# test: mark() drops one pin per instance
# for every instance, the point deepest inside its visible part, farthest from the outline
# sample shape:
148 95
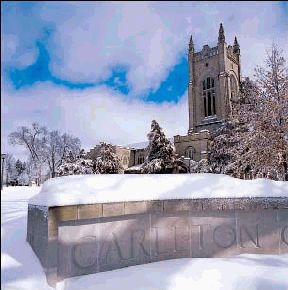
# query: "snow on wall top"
94 188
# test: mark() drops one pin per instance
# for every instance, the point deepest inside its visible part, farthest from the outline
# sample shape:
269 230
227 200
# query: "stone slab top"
93 189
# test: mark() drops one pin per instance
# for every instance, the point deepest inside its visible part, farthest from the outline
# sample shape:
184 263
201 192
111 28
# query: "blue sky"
103 71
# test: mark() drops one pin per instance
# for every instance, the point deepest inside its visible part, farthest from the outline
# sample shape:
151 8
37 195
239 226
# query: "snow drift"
101 188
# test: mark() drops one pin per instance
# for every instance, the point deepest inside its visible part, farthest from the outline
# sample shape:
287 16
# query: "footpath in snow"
96 188
21 269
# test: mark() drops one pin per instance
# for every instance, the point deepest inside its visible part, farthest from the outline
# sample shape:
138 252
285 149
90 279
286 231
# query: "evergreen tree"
20 167
75 165
161 153
108 162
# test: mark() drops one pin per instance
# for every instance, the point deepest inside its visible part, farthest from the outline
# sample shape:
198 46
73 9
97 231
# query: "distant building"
214 80
128 156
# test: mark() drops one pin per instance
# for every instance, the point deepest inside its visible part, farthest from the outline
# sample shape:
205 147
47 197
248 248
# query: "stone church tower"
214 79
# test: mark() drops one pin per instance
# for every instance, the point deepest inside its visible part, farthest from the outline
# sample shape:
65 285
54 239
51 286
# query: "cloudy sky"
103 70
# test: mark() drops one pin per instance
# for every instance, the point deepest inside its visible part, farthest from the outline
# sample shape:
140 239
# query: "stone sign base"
84 239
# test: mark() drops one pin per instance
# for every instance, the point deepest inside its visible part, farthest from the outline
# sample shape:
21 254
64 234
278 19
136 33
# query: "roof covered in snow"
143 145
100 188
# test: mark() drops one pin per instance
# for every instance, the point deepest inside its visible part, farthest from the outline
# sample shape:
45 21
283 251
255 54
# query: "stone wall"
84 239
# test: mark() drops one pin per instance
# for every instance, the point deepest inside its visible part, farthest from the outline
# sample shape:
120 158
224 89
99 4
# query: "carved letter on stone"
157 250
140 241
200 234
220 235
254 241
284 235
181 239
112 241
84 254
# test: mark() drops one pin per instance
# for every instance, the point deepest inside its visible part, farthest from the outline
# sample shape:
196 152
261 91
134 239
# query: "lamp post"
2 169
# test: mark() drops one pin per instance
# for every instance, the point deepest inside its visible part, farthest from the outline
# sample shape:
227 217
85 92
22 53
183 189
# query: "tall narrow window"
214 106
190 152
233 87
140 159
205 105
209 97
209 103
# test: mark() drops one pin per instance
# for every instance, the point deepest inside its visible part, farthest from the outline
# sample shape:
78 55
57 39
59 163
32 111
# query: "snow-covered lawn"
21 269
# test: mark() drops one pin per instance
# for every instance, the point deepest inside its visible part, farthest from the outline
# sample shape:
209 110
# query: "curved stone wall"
84 239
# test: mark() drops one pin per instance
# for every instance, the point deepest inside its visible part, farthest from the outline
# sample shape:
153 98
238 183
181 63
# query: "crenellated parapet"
206 53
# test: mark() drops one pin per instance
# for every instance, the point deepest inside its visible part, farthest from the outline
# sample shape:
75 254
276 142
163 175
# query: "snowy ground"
21 270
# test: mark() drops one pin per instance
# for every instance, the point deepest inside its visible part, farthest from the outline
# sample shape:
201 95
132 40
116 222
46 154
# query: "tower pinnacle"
191 44
236 46
221 37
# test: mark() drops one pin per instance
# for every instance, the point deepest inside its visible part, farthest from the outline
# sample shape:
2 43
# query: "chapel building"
214 81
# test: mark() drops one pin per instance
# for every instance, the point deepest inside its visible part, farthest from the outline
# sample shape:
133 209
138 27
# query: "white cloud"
93 115
90 38
148 37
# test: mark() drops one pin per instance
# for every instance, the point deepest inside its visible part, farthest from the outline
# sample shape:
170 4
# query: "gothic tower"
214 79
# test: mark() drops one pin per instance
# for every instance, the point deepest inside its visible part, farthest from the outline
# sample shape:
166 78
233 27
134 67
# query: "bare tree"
33 139
45 148
57 146
254 140
271 127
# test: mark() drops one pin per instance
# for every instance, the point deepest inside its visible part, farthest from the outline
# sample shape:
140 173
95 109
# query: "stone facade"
193 146
125 154
214 80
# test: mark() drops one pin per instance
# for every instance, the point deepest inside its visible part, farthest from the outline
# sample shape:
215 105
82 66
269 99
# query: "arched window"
209 97
189 152
233 87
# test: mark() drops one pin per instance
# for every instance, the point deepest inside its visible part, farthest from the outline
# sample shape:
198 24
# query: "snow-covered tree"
16 172
161 156
270 131
33 139
10 169
108 162
229 152
56 146
46 149
201 166
75 165
254 140
29 170
20 167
